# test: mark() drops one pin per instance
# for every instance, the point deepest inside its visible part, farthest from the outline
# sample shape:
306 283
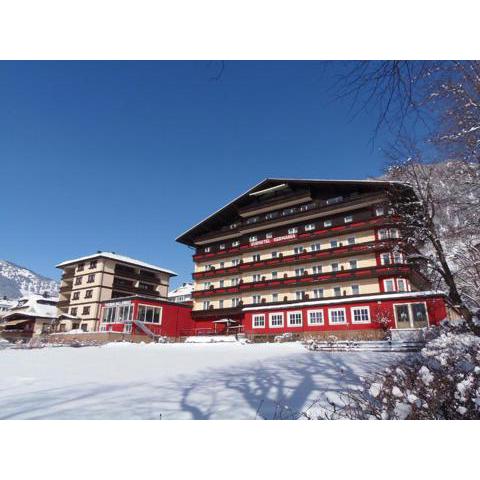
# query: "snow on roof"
382 296
184 289
34 306
118 258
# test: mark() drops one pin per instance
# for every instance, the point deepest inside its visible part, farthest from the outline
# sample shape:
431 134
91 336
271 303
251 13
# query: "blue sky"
125 156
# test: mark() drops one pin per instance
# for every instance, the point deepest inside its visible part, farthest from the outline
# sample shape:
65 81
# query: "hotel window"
256 298
333 244
109 314
337 291
385 259
91 278
318 293
336 316
93 264
253 238
383 234
78 281
125 313
299 295
269 235
334 267
299 272
274 254
334 200
327 223
274 275
315 317
80 267
88 293
379 211
235 302
233 226
355 290
402 285
353 264
234 281
258 321
207 249
292 230
150 314
207 285
222 283
398 257
86 311
208 267
236 243
269 216
220 304
222 246
235 262
360 314
274 297
394 233
73 311
351 240
256 277
298 250
222 265
206 305
256 258
84 327
309 227
294 319
276 320
348 218
315 247
389 285
317 269
76 295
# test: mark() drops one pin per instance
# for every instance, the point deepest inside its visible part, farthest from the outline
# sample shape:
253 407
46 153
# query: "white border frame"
315 324
258 315
291 313
330 317
409 304
360 322
270 320
152 306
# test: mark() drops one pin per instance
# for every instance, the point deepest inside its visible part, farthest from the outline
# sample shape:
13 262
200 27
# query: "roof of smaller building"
184 289
34 306
118 258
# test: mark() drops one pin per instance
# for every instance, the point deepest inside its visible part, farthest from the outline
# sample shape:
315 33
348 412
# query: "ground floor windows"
360 314
336 316
258 321
276 320
149 314
411 315
315 317
294 319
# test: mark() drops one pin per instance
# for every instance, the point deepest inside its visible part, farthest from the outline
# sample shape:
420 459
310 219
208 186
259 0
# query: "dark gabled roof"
225 214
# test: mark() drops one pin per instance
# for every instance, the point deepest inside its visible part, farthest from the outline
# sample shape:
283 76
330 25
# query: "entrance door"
411 315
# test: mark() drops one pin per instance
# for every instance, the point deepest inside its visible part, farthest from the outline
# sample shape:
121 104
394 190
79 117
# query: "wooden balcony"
301 258
302 237
304 280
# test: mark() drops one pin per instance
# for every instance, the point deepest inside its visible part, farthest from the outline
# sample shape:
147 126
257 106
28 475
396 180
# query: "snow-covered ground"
174 381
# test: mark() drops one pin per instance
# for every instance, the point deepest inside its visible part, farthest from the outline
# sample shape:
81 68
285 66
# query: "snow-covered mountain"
16 281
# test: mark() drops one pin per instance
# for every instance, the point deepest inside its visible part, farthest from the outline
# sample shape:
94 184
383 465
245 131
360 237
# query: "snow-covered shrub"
442 382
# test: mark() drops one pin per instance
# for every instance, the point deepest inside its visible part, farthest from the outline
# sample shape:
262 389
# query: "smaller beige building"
90 280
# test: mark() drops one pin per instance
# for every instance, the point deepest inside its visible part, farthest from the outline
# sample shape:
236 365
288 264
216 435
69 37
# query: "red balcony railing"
294 281
307 236
305 257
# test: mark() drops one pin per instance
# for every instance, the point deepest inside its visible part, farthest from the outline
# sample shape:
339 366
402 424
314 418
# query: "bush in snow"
443 382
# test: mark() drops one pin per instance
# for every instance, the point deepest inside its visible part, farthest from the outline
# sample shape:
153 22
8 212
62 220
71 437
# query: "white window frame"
358 287
296 312
253 238
236 243
316 247
409 305
270 324
360 307
331 310
269 235
160 314
309 227
262 316
405 282
315 324
292 230
385 285
255 298
318 290
327 223
379 211
348 219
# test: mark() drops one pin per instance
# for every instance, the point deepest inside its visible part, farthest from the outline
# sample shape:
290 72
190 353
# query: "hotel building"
89 281
308 256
